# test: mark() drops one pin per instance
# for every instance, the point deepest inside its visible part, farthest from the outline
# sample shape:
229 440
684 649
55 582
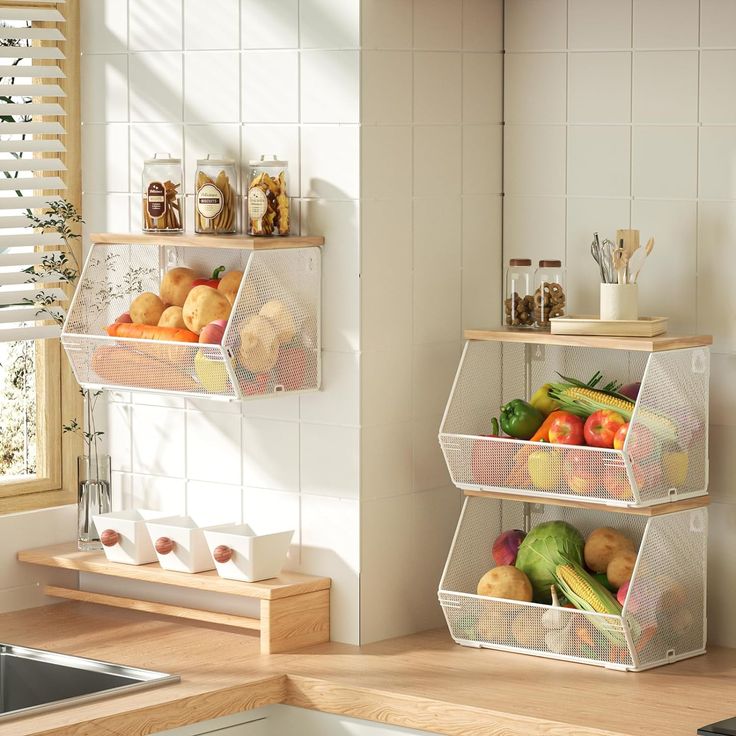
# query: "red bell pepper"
213 282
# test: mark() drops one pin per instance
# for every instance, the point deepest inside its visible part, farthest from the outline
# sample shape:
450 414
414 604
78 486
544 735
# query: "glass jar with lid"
215 200
518 303
163 202
268 197
550 298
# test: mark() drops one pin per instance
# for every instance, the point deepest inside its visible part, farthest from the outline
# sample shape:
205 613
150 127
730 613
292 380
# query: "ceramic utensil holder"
180 544
242 554
619 301
124 536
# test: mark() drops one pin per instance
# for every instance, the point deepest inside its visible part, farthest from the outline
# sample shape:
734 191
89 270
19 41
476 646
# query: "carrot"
519 475
151 332
542 434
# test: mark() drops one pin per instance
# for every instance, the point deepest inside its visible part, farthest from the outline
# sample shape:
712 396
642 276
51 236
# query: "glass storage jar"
549 293
268 198
518 304
163 202
215 200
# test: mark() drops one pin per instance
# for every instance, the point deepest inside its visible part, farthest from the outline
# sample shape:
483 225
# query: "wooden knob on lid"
164 545
222 553
109 538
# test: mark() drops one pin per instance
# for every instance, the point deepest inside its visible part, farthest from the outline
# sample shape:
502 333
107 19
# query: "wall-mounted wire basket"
663 617
665 455
120 267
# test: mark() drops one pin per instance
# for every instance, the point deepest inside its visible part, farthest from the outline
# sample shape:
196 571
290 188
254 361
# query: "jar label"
156 199
257 203
209 201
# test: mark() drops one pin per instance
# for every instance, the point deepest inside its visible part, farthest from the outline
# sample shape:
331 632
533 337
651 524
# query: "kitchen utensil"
635 263
620 265
642 254
607 252
595 251
628 240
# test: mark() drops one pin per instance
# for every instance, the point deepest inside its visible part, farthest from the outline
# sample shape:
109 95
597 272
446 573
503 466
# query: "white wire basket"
663 618
665 455
115 273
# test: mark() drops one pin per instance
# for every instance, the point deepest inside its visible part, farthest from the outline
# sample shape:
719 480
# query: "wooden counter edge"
182 712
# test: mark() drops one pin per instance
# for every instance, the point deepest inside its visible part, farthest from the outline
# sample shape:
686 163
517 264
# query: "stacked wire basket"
663 618
115 273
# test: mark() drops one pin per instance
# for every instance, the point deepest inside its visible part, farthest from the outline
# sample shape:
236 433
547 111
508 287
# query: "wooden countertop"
423 681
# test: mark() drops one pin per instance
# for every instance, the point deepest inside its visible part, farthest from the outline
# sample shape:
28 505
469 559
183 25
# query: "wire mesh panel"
271 344
663 618
665 452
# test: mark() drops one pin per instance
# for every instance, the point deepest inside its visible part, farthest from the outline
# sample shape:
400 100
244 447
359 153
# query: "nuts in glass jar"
519 310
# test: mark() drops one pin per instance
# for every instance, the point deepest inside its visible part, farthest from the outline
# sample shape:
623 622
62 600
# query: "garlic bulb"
552 618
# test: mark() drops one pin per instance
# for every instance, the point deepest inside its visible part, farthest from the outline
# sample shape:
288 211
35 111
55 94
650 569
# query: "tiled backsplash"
619 114
430 265
241 79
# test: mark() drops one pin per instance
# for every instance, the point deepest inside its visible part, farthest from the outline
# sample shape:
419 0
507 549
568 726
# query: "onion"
630 390
506 546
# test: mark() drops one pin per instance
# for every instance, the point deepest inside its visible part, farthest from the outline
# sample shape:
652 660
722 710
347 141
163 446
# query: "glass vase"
94 497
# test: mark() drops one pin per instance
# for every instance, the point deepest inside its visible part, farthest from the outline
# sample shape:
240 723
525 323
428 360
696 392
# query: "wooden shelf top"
645 344
67 556
192 240
670 507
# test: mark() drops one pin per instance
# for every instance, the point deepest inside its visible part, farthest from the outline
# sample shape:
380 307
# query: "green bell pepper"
520 419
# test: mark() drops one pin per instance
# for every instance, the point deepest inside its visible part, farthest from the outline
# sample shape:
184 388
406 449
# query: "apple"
213 333
566 429
601 427
615 480
579 470
620 437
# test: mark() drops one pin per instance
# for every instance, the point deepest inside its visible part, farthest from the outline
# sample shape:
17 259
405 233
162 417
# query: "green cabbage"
546 546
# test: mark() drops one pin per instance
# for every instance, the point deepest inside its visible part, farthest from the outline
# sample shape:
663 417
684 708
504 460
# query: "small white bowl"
180 544
124 536
242 554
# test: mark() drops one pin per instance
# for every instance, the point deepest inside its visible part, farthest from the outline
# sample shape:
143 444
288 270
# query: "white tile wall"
431 141
231 77
650 144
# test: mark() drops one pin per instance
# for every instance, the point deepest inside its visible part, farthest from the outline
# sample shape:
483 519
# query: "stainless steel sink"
33 680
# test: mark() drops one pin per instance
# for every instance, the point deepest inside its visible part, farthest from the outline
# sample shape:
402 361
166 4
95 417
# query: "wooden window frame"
58 399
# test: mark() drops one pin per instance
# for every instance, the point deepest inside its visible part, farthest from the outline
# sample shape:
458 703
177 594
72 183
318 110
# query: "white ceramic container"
619 301
124 536
239 553
180 544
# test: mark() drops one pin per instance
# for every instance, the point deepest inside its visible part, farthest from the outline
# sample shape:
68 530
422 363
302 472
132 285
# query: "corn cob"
583 401
587 594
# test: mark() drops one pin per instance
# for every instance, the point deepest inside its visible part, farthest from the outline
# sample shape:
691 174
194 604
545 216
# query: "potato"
603 545
621 568
506 581
176 285
229 285
259 345
526 630
204 305
492 626
278 314
171 317
146 309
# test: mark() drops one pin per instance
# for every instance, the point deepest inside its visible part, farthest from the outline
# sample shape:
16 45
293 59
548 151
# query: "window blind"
33 265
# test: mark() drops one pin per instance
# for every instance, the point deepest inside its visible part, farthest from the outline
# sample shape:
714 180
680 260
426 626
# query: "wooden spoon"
645 251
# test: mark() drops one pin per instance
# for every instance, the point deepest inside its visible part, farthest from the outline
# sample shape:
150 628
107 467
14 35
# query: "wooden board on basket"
584 325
